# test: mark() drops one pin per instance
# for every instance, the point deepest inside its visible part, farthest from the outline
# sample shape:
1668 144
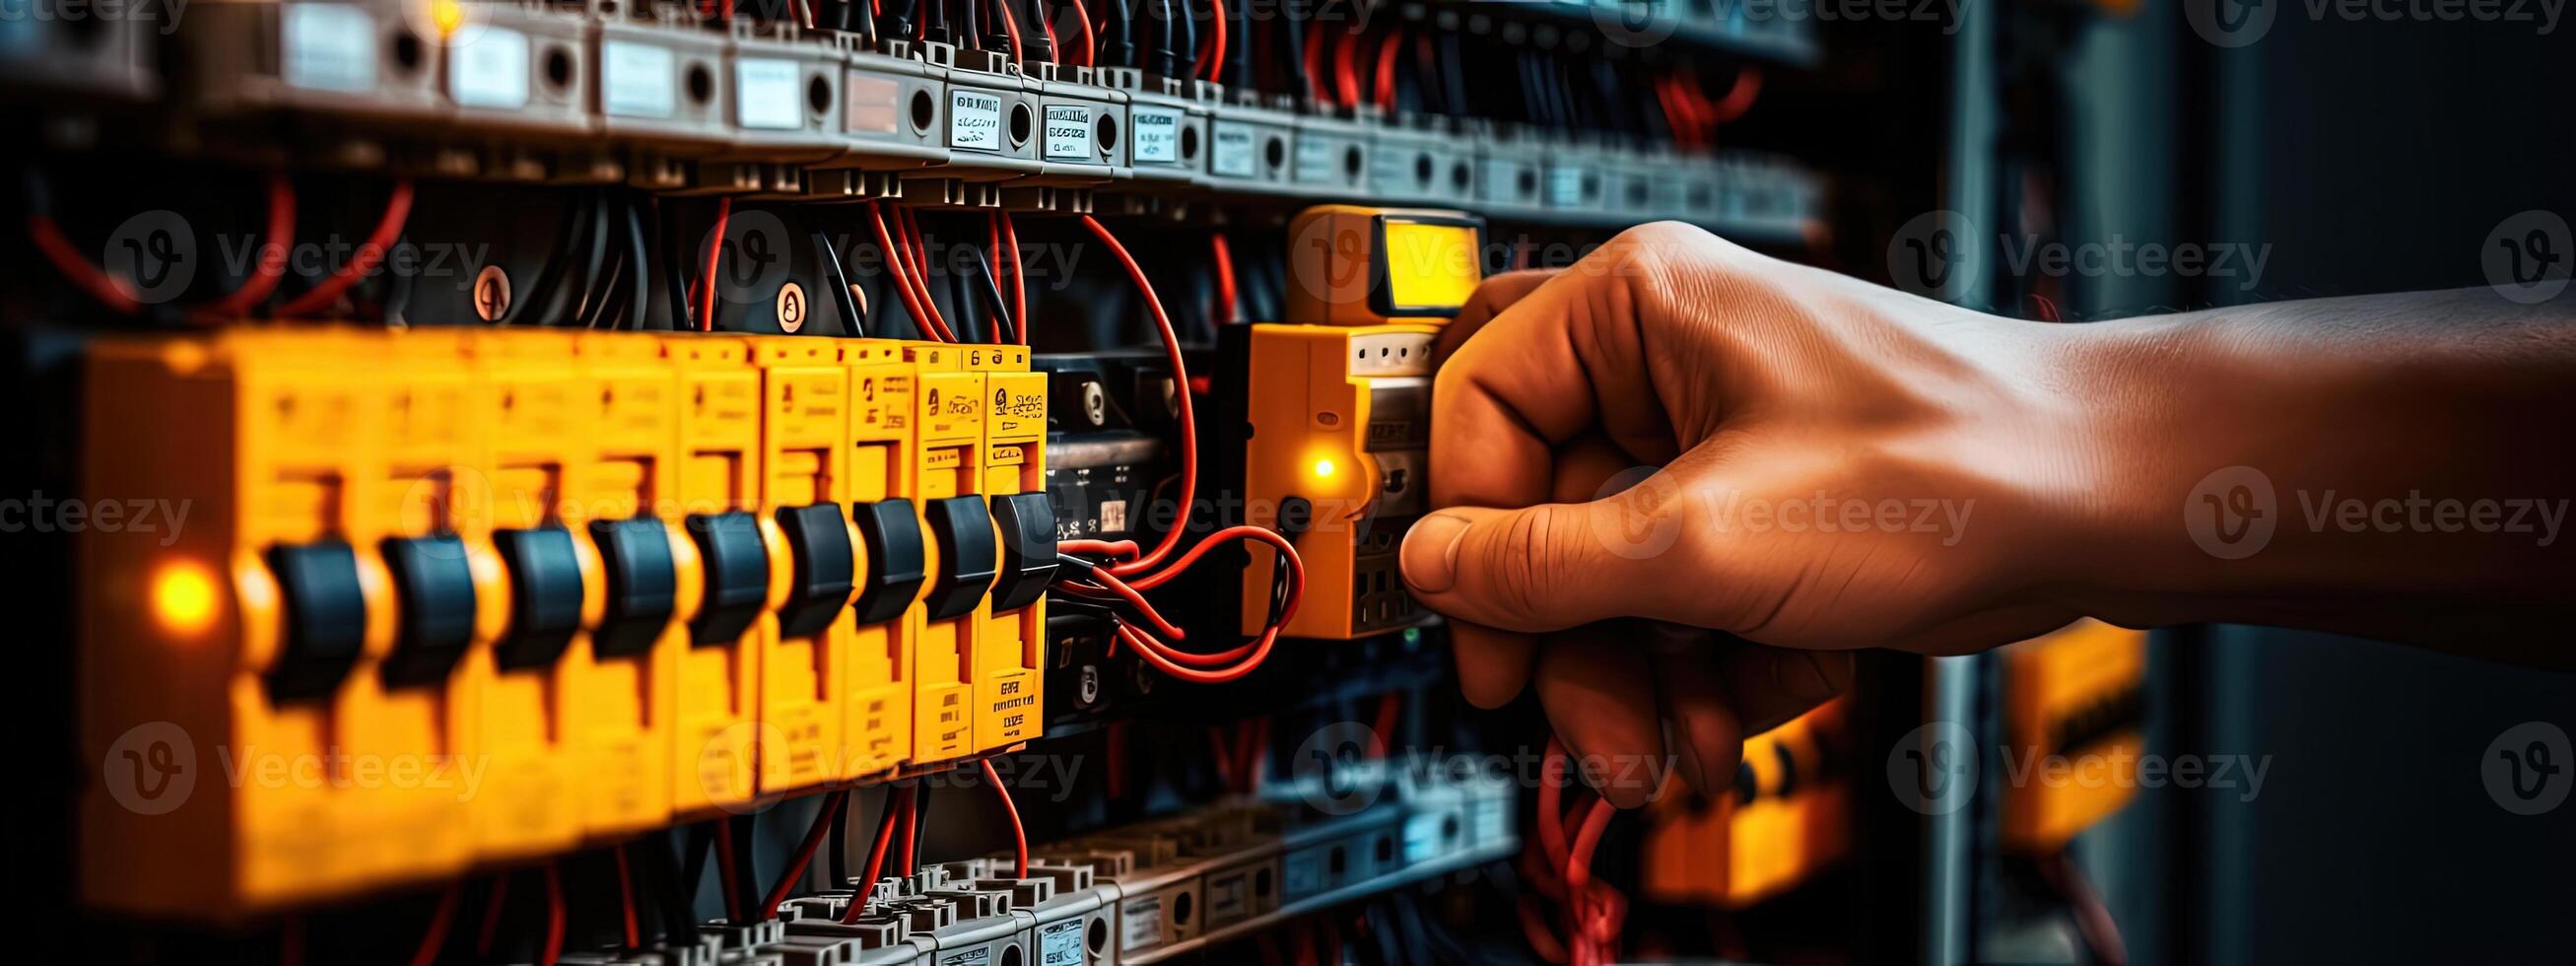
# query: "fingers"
1491 298
1767 686
1707 737
1540 568
1593 684
1494 664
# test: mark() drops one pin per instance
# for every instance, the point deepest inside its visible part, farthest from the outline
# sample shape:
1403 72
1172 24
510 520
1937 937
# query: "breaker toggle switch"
892 535
737 571
643 586
325 618
1027 525
819 544
545 595
434 593
964 532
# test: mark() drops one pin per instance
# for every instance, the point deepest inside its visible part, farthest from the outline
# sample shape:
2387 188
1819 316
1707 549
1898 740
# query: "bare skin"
1813 464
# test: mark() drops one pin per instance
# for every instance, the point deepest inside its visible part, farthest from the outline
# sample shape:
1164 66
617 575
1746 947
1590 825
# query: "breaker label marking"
1158 134
330 47
1068 132
1143 922
1232 154
491 70
974 120
764 94
636 80
1060 943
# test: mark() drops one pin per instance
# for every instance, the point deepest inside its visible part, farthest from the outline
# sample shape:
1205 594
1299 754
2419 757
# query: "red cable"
1346 77
107 289
1019 277
916 247
625 899
1316 89
1155 654
1082 18
1019 832
1738 100
1212 57
1240 531
1578 878
833 804
1386 69
388 228
1188 417
724 871
491 915
554 918
715 245
1113 587
894 265
439 921
1224 253
903 834
272 252
1551 802
897 799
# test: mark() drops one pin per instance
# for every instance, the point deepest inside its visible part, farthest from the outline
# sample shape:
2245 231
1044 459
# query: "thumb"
1542 568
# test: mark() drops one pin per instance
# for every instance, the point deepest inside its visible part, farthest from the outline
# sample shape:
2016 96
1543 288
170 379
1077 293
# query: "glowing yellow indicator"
1431 266
1323 468
183 596
446 15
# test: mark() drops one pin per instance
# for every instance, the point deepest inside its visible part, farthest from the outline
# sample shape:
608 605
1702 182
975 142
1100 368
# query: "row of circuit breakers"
622 577
574 585
647 94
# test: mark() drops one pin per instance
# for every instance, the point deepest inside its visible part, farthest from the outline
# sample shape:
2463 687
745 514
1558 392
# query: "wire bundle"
1561 869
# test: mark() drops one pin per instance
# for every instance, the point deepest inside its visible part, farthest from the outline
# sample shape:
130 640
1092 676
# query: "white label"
1113 516
764 94
870 104
972 957
490 70
1141 923
1060 943
1158 134
1068 132
1565 186
974 119
330 47
638 80
1225 896
1231 154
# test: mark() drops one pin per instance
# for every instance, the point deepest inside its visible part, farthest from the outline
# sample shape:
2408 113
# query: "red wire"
1156 654
1212 57
491 915
896 800
1112 586
1578 880
554 918
903 834
1551 802
894 265
1019 277
715 245
1224 253
1238 531
724 871
388 228
272 252
1386 69
1105 548
1316 88
1346 52
917 249
1188 417
1738 100
833 804
1082 18
625 899
439 921
107 289
1019 832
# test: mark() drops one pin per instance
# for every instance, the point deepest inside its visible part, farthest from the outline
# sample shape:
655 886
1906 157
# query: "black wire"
836 859
993 289
595 269
683 315
746 871
399 289
851 319
1167 48
550 276
639 308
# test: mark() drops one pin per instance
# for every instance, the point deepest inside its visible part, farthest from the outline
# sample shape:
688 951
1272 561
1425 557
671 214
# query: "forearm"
2393 466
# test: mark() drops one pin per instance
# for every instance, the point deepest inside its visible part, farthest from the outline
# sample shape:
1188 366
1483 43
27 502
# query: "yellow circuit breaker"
812 560
960 557
2073 698
716 691
884 614
1009 663
1335 407
535 403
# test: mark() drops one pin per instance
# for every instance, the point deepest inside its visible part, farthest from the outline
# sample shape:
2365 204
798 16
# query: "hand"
1810 463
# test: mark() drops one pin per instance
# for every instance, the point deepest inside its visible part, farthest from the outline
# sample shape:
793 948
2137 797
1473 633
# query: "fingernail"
1430 554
